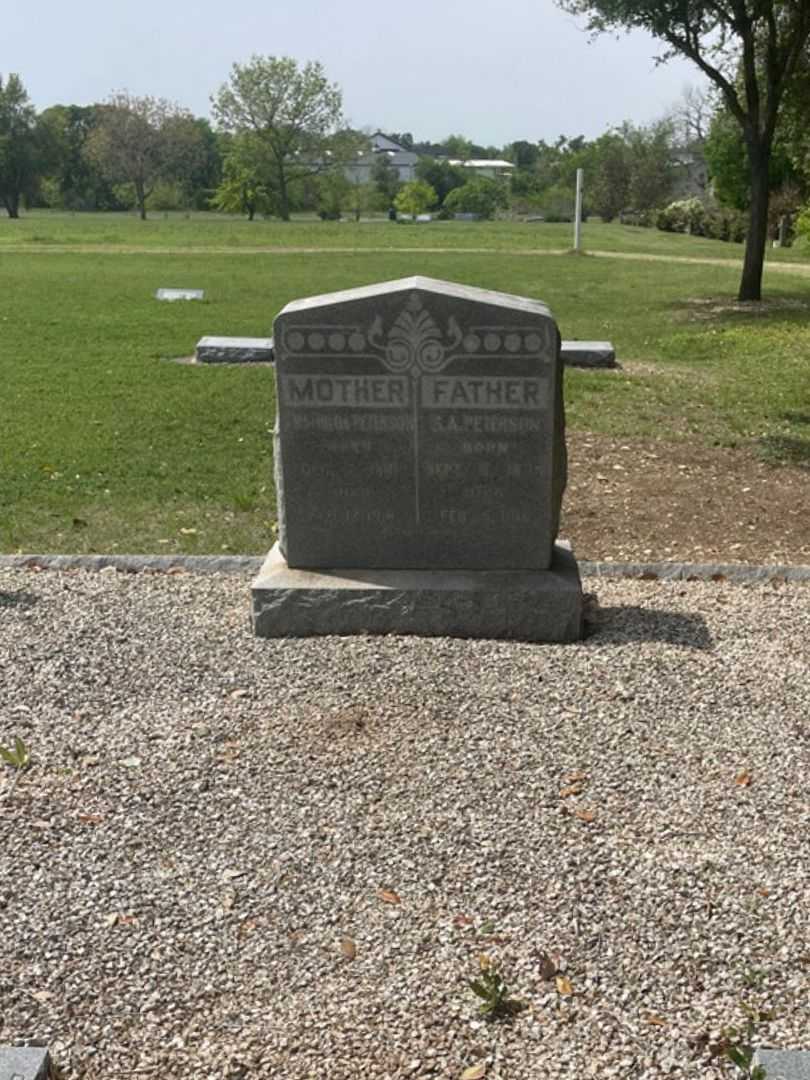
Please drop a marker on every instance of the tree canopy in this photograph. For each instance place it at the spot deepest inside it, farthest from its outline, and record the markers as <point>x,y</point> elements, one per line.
<point>293,111</point>
<point>750,50</point>
<point>18,144</point>
<point>142,140</point>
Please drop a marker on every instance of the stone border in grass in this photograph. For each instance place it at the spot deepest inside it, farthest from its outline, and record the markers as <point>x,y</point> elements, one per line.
<point>735,573</point>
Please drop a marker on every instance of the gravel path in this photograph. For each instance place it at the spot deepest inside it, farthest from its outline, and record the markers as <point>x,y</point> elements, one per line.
<point>234,858</point>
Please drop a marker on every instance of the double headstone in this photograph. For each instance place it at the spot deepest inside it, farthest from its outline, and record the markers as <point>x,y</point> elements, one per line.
<point>420,464</point>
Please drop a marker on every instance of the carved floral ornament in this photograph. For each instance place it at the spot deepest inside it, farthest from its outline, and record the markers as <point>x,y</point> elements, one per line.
<point>415,344</point>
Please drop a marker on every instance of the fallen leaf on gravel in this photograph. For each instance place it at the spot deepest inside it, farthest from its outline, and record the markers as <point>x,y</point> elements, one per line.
<point>574,789</point>
<point>91,819</point>
<point>586,815</point>
<point>348,948</point>
<point>743,779</point>
<point>111,920</point>
<point>232,875</point>
<point>41,995</point>
<point>388,896</point>
<point>475,1072</point>
<point>564,986</point>
<point>576,777</point>
<point>658,1021</point>
<point>463,920</point>
<point>188,532</point>
<point>548,967</point>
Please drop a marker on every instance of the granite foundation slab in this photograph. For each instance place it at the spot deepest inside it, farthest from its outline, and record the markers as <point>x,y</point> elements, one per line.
<point>588,354</point>
<point>24,1063</point>
<point>784,1064</point>
<point>513,605</point>
<point>234,350</point>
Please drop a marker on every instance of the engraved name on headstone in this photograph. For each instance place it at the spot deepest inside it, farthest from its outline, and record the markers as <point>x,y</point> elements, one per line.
<point>420,425</point>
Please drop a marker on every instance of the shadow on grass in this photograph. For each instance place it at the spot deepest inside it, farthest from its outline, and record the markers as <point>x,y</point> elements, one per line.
<point>786,449</point>
<point>17,599</point>
<point>622,625</point>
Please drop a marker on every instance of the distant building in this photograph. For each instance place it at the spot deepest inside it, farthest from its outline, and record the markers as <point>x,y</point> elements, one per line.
<point>403,160</point>
<point>491,168</point>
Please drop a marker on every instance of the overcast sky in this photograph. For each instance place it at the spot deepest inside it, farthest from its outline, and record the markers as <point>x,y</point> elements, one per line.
<point>493,70</point>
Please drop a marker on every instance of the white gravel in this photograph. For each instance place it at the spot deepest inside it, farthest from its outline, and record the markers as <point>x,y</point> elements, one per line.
<point>207,817</point>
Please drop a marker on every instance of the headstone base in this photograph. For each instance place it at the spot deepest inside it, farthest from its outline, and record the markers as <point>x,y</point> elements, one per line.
<point>784,1064</point>
<point>234,350</point>
<point>24,1063</point>
<point>588,354</point>
<point>519,605</point>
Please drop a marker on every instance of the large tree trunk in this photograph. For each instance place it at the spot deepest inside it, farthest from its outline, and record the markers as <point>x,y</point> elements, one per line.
<point>283,198</point>
<point>11,201</point>
<point>759,161</point>
<point>140,199</point>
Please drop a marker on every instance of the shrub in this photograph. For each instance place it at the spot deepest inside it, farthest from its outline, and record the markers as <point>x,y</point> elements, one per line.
<point>479,196</point>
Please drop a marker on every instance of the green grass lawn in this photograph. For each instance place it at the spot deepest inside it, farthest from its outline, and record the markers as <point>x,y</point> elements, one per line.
<point>43,229</point>
<point>108,446</point>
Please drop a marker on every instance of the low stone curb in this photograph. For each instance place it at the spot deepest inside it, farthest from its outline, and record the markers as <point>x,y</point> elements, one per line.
<point>735,573</point>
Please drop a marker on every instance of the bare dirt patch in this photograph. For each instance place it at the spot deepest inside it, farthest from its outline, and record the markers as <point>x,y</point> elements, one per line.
<point>645,500</point>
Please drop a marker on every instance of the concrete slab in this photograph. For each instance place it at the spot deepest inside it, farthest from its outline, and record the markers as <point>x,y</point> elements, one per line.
<point>24,1063</point>
<point>180,294</point>
<point>521,605</point>
<point>234,350</point>
<point>588,354</point>
<point>784,1064</point>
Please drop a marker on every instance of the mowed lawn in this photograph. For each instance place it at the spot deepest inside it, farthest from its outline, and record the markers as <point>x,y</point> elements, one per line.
<point>108,446</point>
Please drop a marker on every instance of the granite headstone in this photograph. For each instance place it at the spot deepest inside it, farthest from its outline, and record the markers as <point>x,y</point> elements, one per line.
<point>420,465</point>
<point>419,426</point>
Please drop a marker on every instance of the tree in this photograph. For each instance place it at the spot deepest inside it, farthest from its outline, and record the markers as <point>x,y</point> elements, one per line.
<point>458,146</point>
<point>18,144</point>
<point>73,181</point>
<point>295,114</point>
<point>750,50</point>
<point>441,175</point>
<point>415,197</point>
<point>141,141</point>
<point>242,189</point>
<point>385,178</point>
<point>480,196</point>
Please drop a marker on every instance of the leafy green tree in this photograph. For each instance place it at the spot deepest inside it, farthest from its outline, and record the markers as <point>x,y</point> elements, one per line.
<point>415,197</point>
<point>524,154</point>
<point>651,164</point>
<point>385,179</point>
<point>458,146</point>
<point>295,115</point>
<point>480,196</point>
<point>750,50</point>
<point>143,141</point>
<point>333,192</point>
<point>441,175</point>
<point>242,188</point>
<point>19,146</point>
<point>73,180</point>
<point>608,176</point>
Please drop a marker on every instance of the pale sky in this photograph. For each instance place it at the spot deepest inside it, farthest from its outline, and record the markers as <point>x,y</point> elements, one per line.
<point>493,70</point>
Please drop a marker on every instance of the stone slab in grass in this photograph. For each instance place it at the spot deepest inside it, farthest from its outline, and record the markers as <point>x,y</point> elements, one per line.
<point>180,294</point>
<point>588,354</point>
<point>784,1064</point>
<point>514,605</point>
<point>24,1063</point>
<point>234,350</point>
